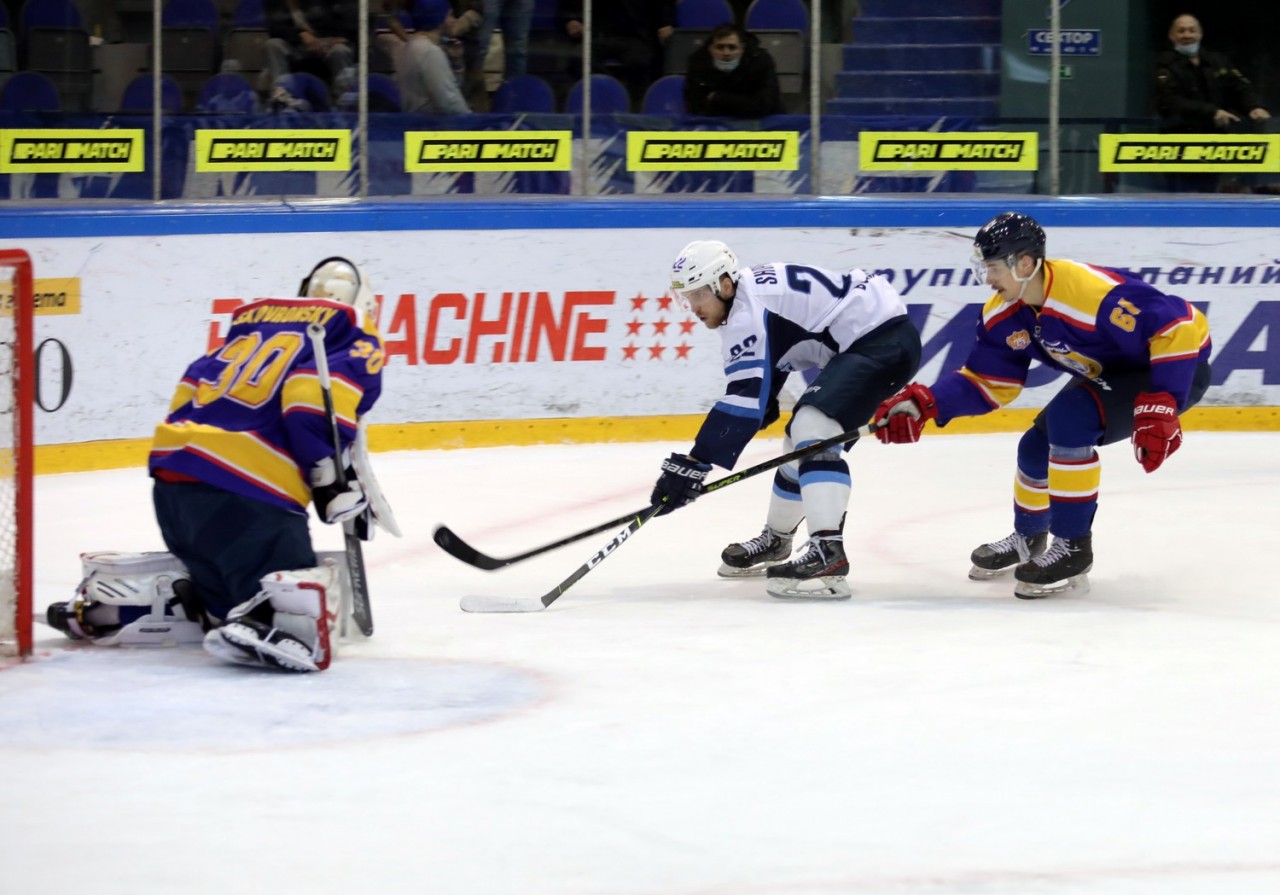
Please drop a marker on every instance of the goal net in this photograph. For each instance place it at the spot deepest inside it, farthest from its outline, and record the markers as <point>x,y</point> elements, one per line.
<point>17,304</point>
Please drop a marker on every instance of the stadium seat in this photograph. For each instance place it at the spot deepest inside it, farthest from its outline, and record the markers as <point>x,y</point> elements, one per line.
<point>526,93</point>
<point>227,94</point>
<point>782,14</point>
<point>787,47</point>
<point>245,42</point>
<point>189,43</point>
<point>681,43</point>
<point>8,47</point>
<point>29,91</point>
<point>665,96</point>
<point>57,46</point>
<point>384,93</point>
<point>608,97</point>
<point>139,95</point>
<point>703,13</point>
<point>307,88</point>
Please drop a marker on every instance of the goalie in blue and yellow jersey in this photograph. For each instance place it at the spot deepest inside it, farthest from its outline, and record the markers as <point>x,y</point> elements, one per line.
<point>1138,358</point>
<point>247,445</point>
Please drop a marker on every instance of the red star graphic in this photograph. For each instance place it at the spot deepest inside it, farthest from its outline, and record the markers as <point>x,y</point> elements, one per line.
<point>655,352</point>
<point>660,327</point>
<point>682,351</point>
<point>664,303</point>
<point>629,352</point>
<point>633,327</point>
<point>637,303</point>
<point>686,327</point>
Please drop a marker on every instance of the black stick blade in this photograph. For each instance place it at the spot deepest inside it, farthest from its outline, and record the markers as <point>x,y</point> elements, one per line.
<point>459,549</point>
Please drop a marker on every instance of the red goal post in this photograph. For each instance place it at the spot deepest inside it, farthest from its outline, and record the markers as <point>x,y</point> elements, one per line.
<point>17,398</point>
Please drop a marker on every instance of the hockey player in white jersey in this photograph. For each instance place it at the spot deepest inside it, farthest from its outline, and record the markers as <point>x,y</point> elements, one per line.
<point>775,319</point>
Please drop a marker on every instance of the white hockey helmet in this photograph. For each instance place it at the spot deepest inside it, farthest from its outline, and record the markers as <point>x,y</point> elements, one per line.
<point>338,279</point>
<point>702,263</point>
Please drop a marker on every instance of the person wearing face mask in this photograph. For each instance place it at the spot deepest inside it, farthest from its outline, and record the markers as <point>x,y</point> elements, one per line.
<point>1200,91</point>
<point>732,75</point>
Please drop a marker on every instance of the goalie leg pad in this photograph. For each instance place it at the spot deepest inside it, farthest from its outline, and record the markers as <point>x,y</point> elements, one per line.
<point>287,625</point>
<point>131,599</point>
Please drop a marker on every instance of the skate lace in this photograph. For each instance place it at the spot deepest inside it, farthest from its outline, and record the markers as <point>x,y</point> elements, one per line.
<point>1059,549</point>
<point>813,552</point>
<point>760,543</point>
<point>1014,543</point>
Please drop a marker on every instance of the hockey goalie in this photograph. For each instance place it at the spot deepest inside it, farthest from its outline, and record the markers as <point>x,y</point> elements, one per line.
<point>248,443</point>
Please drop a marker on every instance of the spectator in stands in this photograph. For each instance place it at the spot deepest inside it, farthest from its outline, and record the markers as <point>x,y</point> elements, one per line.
<point>315,36</point>
<point>732,75</point>
<point>513,17</point>
<point>627,37</point>
<point>1201,91</point>
<point>424,72</point>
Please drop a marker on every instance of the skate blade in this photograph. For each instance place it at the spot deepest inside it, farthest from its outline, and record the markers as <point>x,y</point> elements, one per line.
<point>832,587</point>
<point>977,573</point>
<point>1025,590</point>
<point>728,571</point>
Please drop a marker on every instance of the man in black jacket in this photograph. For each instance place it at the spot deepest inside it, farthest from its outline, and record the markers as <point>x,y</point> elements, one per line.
<point>732,75</point>
<point>1200,91</point>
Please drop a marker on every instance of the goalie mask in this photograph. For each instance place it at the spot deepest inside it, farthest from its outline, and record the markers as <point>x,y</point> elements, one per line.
<point>700,265</point>
<point>338,279</point>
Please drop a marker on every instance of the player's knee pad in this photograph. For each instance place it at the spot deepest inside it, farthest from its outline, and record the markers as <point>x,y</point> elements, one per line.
<point>131,599</point>
<point>288,624</point>
<point>809,424</point>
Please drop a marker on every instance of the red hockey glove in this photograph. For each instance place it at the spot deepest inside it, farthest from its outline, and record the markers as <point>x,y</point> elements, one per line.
<point>904,415</point>
<point>1156,430</point>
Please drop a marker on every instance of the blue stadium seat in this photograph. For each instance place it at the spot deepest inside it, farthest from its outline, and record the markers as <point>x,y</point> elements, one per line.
<point>227,94</point>
<point>778,14</point>
<point>703,13</point>
<point>189,43</point>
<point>57,46</point>
<point>29,91</point>
<point>526,93</point>
<point>608,97</point>
<point>384,93</point>
<point>665,97</point>
<point>139,96</point>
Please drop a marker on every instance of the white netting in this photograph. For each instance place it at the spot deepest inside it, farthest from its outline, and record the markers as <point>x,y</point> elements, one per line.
<point>8,464</point>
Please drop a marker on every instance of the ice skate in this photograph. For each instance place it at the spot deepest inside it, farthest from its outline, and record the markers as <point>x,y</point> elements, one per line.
<point>816,574</point>
<point>752,558</point>
<point>1064,566</point>
<point>994,559</point>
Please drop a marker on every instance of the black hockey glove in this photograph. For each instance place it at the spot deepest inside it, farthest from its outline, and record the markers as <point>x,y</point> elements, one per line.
<point>680,482</point>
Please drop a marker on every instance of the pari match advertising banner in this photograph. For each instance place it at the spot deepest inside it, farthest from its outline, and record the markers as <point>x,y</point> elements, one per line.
<point>563,324</point>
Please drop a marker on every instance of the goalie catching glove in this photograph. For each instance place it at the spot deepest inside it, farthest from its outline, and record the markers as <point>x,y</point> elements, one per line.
<point>680,482</point>
<point>901,418</point>
<point>1156,430</point>
<point>337,503</point>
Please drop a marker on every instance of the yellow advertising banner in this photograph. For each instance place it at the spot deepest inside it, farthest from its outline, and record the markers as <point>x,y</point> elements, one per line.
<point>273,150</point>
<point>1189,153</point>
<point>955,151</point>
<point>713,150</point>
<point>70,151</point>
<point>53,295</point>
<point>488,150</point>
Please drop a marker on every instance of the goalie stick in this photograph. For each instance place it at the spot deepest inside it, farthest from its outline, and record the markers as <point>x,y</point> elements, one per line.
<point>361,611</point>
<point>456,547</point>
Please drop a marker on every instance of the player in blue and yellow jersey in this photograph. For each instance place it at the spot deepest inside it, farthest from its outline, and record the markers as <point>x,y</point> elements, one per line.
<point>1137,357</point>
<point>247,446</point>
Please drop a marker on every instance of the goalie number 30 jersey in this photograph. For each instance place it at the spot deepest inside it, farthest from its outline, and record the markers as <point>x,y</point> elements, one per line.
<point>249,417</point>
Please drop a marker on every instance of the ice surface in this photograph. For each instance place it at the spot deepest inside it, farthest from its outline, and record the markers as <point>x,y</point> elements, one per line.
<point>662,731</point>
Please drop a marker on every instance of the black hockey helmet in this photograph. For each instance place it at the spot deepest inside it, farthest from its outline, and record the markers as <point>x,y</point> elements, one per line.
<point>1007,235</point>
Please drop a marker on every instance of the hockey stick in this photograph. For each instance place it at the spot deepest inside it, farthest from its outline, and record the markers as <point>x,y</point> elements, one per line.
<point>361,612</point>
<point>481,603</point>
<point>460,549</point>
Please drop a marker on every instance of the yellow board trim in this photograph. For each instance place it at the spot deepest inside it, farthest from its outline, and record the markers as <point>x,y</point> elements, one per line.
<point>122,453</point>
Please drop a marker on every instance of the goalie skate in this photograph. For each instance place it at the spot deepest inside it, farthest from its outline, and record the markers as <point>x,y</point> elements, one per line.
<point>753,557</point>
<point>817,574</point>
<point>1063,567</point>
<point>994,559</point>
